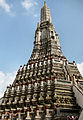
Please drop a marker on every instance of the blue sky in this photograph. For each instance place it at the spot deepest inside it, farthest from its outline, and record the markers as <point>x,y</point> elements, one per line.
<point>18,22</point>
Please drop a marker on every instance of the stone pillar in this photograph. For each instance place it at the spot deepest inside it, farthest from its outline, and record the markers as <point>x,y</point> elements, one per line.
<point>74,80</point>
<point>19,116</point>
<point>73,62</point>
<point>37,117</point>
<point>68,78</point>
<point>38,24</point>
<point>3,116</point>
<point>48,116</point>
<point>28,116</point>
<point>23,87</point>
<point>10,116</point>
<point>58,111</point>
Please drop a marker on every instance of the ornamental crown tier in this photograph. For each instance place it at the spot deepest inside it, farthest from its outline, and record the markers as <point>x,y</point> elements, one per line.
<point>42,88</point>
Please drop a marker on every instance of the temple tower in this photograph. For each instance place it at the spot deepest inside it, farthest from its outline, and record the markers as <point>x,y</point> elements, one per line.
<point>42,88</point>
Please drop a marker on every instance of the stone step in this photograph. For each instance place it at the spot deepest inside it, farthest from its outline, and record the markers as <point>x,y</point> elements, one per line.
<point>63,82</point>
<point>63,91</point>
<point>67,110</point>
<point>63,88</point>
<point>69,97</point>
<point>63,94</point>
<point>67,106</point>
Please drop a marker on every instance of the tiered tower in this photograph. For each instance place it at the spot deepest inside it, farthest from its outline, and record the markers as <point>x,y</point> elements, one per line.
<point>42,89</point>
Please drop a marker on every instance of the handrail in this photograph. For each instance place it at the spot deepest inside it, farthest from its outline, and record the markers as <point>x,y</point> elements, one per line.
<point>1,99</point>
<point>80,86</point>
<point>79,89</point>
<point>63,81</point>
<point>79,95</point>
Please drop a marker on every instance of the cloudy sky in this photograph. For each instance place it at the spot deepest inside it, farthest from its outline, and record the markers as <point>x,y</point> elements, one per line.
<point>18,21</point>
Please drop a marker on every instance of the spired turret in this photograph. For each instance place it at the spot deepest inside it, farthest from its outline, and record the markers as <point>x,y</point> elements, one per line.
<point>42,88</point>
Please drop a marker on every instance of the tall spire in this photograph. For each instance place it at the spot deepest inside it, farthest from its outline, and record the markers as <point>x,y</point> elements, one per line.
<point>46,40</point>
<point>44,3</point>
<point>45,14</point>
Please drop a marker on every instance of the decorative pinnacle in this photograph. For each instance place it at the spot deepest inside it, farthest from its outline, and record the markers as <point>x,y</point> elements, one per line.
<point>44,3</point>
<point>45,14</point>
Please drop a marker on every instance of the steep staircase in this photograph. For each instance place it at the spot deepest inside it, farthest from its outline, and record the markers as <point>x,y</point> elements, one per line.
<point>66,100</point>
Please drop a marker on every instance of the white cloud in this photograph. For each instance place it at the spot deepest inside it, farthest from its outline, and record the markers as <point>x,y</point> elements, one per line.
<point>27,4</point>
<point>35,15</point>
<point>80,67</point>
<point>5,80</point>
<point>5,5</point>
